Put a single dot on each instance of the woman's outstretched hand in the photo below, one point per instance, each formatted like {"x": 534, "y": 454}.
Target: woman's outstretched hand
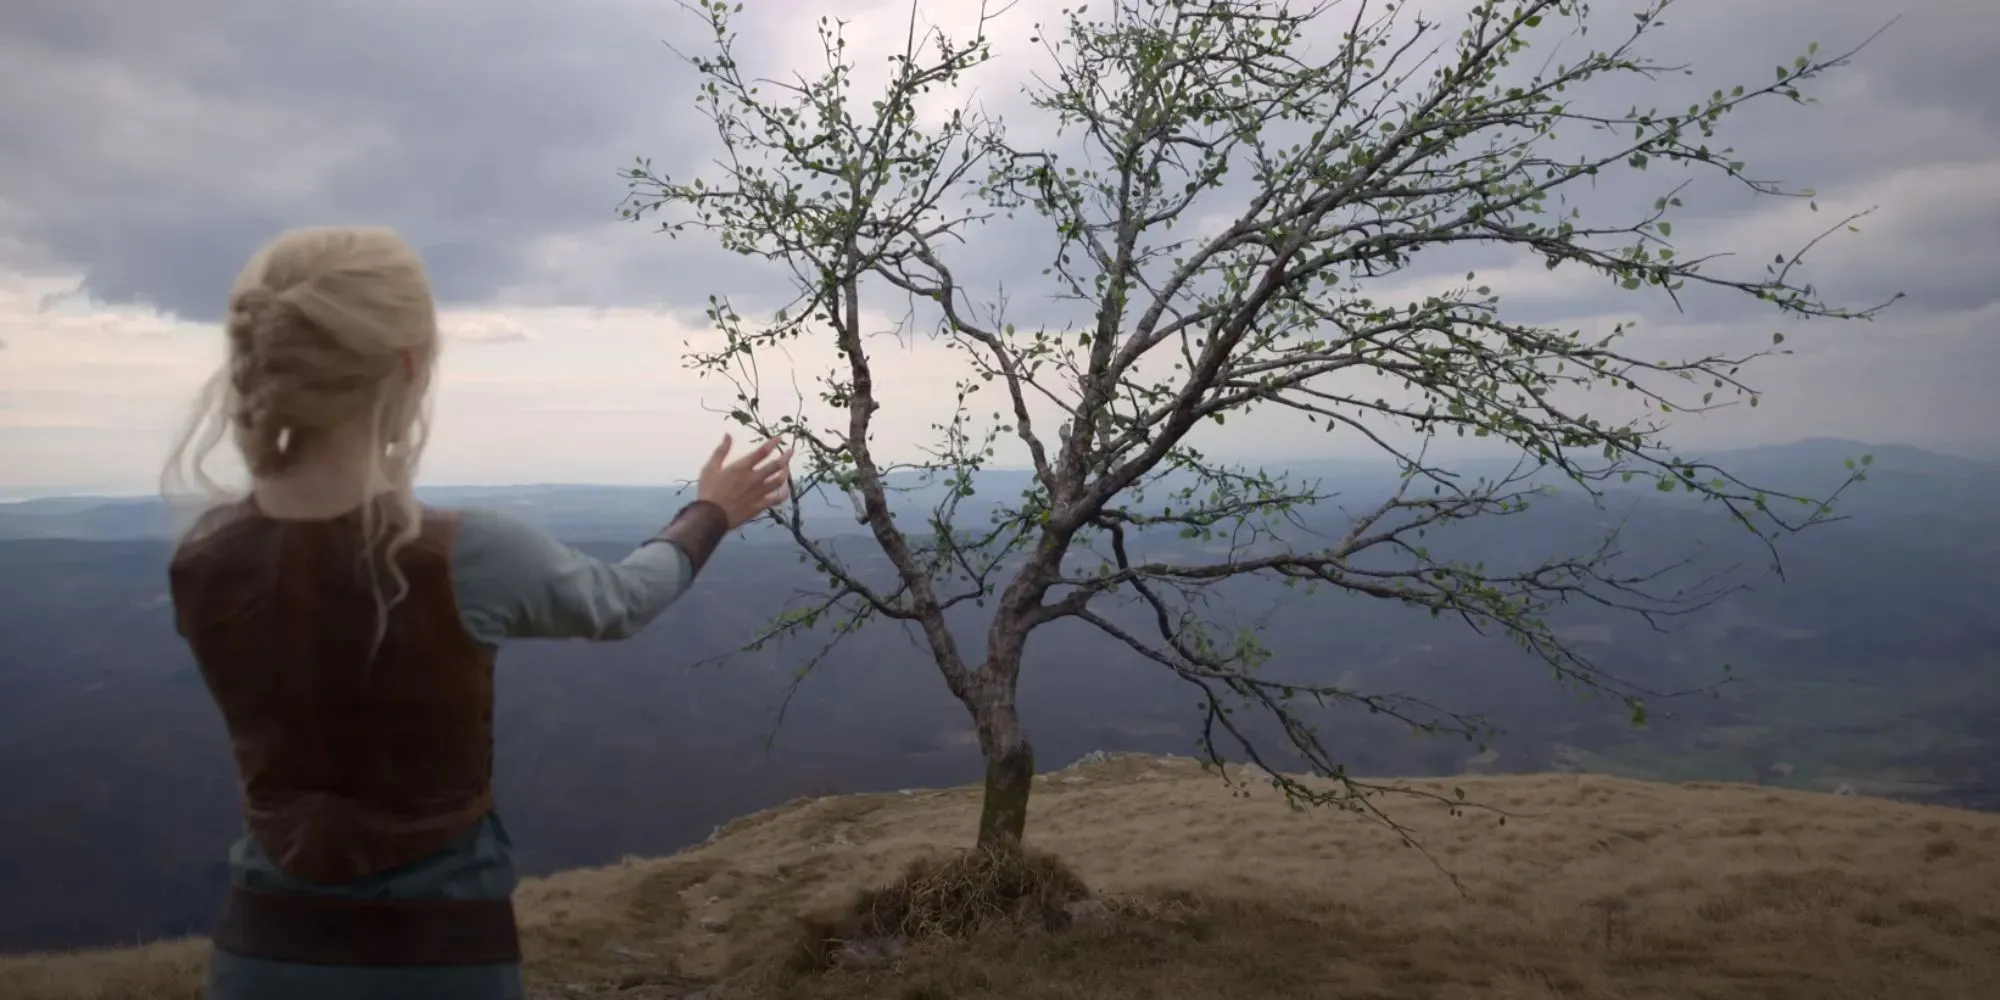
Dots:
{"x": 748, "y": 486}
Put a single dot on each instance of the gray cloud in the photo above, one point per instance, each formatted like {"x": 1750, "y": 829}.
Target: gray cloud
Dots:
{"x": 166, "y": 140}
{"x": 1893, "y": 108}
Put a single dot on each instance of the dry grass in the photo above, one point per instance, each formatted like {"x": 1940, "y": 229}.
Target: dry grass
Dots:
{"x": 1596, "y": 888}
{"x": 940, "y": 899}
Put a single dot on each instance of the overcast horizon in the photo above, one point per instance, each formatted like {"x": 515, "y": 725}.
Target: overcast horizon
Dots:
{"x": 164, "y": 143}
{"x": 53, "y": 491}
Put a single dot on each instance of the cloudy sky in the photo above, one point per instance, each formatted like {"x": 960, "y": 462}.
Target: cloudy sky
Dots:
{"x": 146, "y": 149}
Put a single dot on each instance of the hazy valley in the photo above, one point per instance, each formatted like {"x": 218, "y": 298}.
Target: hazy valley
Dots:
{"x": 1873, "y": 669}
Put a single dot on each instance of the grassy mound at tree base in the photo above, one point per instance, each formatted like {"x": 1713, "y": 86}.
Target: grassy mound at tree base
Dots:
{"x": 945, "y": 897}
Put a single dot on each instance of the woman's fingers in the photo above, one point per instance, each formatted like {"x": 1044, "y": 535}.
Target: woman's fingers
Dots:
{"x": 758, "y": 454}
{"x": 721, "y": 452}
{"x": 779, "y": 467}
{"x": 764, "y": 473}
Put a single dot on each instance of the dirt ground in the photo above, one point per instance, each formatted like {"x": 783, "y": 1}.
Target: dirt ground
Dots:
{"x": 1594, "y": 887}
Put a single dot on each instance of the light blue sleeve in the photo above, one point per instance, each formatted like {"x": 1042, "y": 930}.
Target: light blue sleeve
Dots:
{"x": 514, "y": 581}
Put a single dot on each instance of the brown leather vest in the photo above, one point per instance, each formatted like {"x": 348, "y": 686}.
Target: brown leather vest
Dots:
{"x": 351, "y": 763}
{"x": 354, "y": 759}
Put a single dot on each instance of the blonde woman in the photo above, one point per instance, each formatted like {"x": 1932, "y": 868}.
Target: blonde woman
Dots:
{"x": 347, "y": 634}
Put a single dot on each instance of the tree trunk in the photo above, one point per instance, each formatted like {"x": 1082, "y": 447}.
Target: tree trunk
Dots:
{"x": 1010, "y": 767}
{"x": 1003, "y": 817}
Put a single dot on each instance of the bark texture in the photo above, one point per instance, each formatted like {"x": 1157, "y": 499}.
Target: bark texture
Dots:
{"x": 1003, "y": 816}
{"x": 1010, "y": 763}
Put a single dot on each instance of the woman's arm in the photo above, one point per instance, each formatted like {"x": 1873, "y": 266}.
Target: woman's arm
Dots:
{"x": 514, "y": 581}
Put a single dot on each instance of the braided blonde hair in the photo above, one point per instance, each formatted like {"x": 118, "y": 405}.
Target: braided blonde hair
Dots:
{"x": 329, "y": 329}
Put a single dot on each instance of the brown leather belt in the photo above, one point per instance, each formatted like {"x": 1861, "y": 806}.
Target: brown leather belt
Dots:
{"x": 314, "y": 929}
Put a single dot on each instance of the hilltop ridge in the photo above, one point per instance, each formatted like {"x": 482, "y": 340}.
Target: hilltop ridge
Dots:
{"x": 1594, "y": 886}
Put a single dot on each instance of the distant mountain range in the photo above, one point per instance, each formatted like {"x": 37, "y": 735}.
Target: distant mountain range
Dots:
{"x": 1874, "y": 667}
{"x": 1909, "y": 480}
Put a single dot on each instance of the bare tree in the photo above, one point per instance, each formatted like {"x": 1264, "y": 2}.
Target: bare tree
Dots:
{"x": 1328, "y": 172}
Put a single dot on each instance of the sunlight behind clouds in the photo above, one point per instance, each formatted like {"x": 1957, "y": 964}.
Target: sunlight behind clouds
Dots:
{"x": 166, "y": 149}
{"x": 94, "y": 393}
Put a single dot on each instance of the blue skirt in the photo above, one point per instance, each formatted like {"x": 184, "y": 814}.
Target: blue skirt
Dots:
{"x": 234, "y": 977}
{"x": 479, "y": 865}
